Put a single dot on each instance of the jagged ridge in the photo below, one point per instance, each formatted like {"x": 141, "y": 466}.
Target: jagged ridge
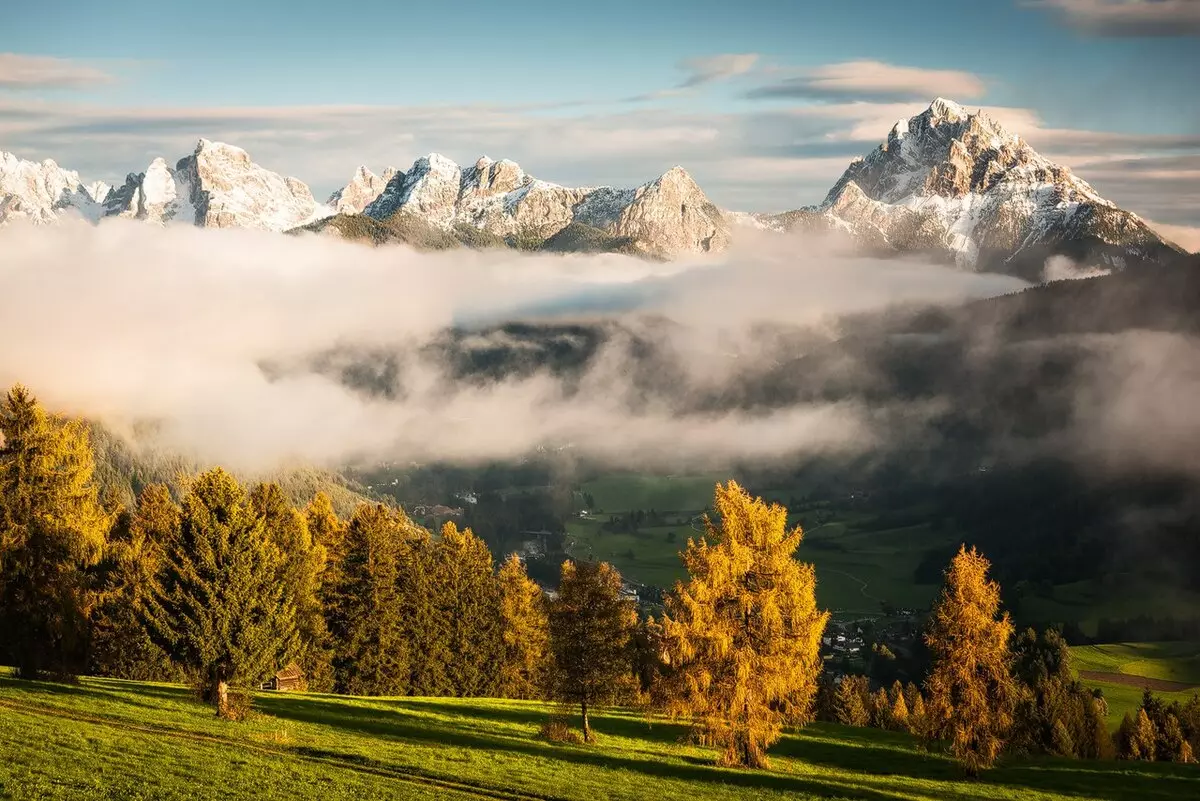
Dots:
{"x": 957, "y": 185}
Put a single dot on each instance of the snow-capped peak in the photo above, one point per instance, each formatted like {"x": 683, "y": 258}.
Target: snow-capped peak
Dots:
{"x": 364, "y": 187}
{"x": 950, "y": 180}
{"x": 40, "y": 191}
{"x": 943, "y": 110}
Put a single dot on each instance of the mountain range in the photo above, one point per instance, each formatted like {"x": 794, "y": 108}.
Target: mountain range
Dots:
{"x": 946, "y": 184}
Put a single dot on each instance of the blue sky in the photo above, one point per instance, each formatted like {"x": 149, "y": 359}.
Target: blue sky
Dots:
{"x": 762, "y": 100}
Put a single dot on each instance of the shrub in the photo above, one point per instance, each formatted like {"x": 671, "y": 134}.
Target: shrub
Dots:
{"x": 558, "y": 730}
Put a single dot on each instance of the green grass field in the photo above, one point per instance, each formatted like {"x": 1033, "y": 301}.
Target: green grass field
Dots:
{"x": 862, "y": 558}
{"x": 624, "y": 491}
{"x": 859, "y": 565}
{"x": 1123, "y": 670}
{"x": 107, "y": 739}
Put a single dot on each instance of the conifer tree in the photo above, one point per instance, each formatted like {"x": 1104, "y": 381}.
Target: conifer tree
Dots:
{"x": 881, "y": 709}
{"x": 971, "y": 692}
{"x": 851, "y": 701}
{"x": 423, "y": 600}
{"x": 743, "y": 635}
{"x": 898, "y": 715}
{"x": 524, "y": 631}
{"x": 52, "y": 530}
{"x": 1144, "y": 742}
{"x": 327, "y": 530}
{"x": 371, "y": 652}
{"x": 469, "y": 603}
{"x": 917, "y": 718}
{"x": 590, "y": 628}
{"x": 301, "y": 572}
{"x": 219, "y": 605}
{"x": 121, "y": 645}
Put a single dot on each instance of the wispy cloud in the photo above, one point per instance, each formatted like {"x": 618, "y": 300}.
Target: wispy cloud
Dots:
{"x": 28, "y": 72}
{"x": 1126, "y": 18}
{"x": 717, "y": 68}
{"x": 1186, "y": 236}
{"x": 874, "y": 81}
{"x": 703, "y": 71}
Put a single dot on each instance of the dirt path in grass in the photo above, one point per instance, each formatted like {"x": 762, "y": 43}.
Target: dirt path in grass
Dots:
{"x": 862, "y": 585}
{"x": 1141, "y": 682}
{"x": 351, "y": 762}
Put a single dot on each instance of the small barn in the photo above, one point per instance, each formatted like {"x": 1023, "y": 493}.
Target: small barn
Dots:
{"x": 291, "y": 678}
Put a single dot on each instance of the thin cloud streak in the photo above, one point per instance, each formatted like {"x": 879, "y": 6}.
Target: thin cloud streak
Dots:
{"x": 39, "y": 72}
{"x": 873, "y": 81}
{"x": 1126, "y": 18}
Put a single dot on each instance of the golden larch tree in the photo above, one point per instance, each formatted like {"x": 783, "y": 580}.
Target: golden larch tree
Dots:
{"x": 743, "y": 635}
{"x": 524, "y": 630}
{"x": 52, "y": 531}
{"x": 971, "y": 692}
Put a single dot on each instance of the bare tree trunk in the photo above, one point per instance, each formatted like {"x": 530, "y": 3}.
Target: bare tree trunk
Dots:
{"x": 222, "y": 699}
{"x": 587, "y": 729}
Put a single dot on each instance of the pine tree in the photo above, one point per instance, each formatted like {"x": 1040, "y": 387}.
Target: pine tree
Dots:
{"x": 52, "y": 530}
{"x": 301, "y": 572}
{"x": 1145, "y": 737}
{"x": 327, "y": 531}
{"x": 423, "y": 600}
{"x": 469, "y": 601}
{"x": 881, "y": 709}
{"x": 1169, "y": 745}
{"x": 219, "y": 605}
{"x": 743, "y": 635}
{"x": 525, "y": 632}
{"x": 898, "y": 715}
{"x": 850, "y": 701}
{"x": 371, "y": 651}
{"x": 121, "y": 645}
{"x": 917, "y": 718}
{"x": 971, "y": 692}
{"x": 590, "y": 628}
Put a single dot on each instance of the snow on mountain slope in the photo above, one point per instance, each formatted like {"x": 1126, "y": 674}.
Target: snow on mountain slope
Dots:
{"x": 957, "y": 184}
{"x": 670, "y": 215}
{"x": 361, "y": 191}
{"x": 40, "y": 192}
{"x": 217, "y": 186}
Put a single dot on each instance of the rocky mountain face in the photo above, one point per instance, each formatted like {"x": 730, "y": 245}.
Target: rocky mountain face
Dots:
{"x": 946, "y": 184}
{"x": 668, "y": 216}
{"x": 363, "y": 188}
{"x": 217, "y": 186}
{"x": 42, "y": 191}
{"x": 959, "y": 186}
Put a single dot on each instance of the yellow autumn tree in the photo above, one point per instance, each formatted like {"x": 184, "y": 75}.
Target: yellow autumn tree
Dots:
{"x": 52, "y": 531}
{"x": 524, "y": 631}
{"x": 971, "y": 692}
{"x": 743, "y": 635}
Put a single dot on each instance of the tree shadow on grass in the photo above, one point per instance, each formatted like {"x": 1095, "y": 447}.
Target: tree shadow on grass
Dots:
{"x": 1111, "y": 781}
{"x": 865, "y": 751}
{"x": 611, "y": 722}
{"x": 371, "y": 723}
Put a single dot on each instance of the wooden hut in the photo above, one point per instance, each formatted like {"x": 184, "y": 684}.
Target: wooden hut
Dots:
{"x": 291, "y": 678}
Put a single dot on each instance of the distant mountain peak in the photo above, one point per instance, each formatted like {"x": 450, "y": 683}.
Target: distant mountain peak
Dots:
{"x": 956, "y": 185}
{"x": 943, "y": 110}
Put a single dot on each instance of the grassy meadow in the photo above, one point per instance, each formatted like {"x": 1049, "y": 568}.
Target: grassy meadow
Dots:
{"x": 108, "y": 739}
{"x": 860, "y": 560}
{"x": 1124, "y": 670}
